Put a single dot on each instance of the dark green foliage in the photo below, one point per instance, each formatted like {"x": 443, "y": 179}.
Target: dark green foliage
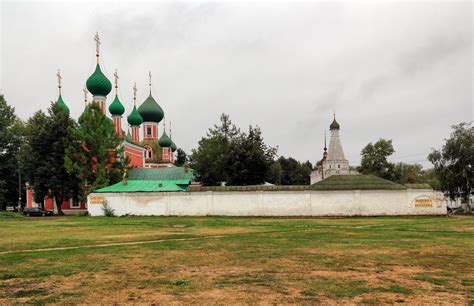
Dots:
{"x": 406, "y": 173}
{"x": 31, "y": 155}
{"x": 10, "y": 139}
{"x": 108, "y": 211}
{"x": 453, "y": 164}
{"x": 374, "y": 159}
{"x": 97, "y": 158}
{"x": 42, "y": 155}
{"x": 249, "y": 159}
{"x": 289, "y": 171}
{"x": 228, "y": 155}
{"x": 180, "y": 157}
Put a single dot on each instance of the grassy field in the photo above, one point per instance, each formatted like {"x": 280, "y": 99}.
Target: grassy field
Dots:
{"x": 236, "y": 260}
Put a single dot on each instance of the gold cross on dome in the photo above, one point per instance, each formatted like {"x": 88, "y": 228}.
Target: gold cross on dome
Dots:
{"x": 149, "y": 77}
{"x": 116, "y": 78}
{"x": 134, "y": 93}
{"x": 59, "y": 80}
{"x": 97, "y": 43}
{"x": 85, "y": 94}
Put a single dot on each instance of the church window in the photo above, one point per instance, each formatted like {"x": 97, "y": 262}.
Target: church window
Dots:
{"x": 148, "y": 131}
{"x": 339, "y": 166}
{"x": 148, "y": 153}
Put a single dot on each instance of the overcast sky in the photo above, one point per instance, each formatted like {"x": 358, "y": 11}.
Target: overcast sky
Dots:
{"x": 395, "y": 70}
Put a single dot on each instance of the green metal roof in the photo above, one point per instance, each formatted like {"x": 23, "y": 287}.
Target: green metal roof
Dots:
{"x": 62, "y": 104}
{"x": 151, "y": 111}
{"x": 147, "y": 186}
{"x": 159, "y": 174}
{"x": 173, "y": 146}
{"x": 355, "y": 182}
{"x": 116, "y": 108}
{"x": 135, "y": 119}
{"x": 165, "y": 141}
{"x": 98, "y": 84}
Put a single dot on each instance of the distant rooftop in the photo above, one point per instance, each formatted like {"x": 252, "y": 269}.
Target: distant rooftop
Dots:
{"x": 146, "y": 186}
{"x": 356, "y": 182}
{"x": 160, "y": 174}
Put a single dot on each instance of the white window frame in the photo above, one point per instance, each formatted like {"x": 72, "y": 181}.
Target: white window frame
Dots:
{"x": 74, "y": 204}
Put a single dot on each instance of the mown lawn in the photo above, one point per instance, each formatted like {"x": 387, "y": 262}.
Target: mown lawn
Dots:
{"x": 237, "y": 260}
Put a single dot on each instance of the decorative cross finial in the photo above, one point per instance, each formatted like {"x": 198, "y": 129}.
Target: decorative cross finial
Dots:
{"x": 97, "y": 44}
{"x": 85, "y": 95}
{"x": 334, "y": 114}
{"x": 116, "y": 80}
{"x": 59, "y": 80}
{"x": 149, "y": 78}
{"x": 325, "y": 148}
{"x": 170, "y": 128}
{"x": 134, "y": 93}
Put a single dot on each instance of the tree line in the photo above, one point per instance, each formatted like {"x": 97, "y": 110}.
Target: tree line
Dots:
{"x": 58, "y": 157}
{"x": 65, "y": 159}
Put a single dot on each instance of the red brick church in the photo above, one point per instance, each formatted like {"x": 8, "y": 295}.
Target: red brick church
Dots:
{"x": 141, "y": 143}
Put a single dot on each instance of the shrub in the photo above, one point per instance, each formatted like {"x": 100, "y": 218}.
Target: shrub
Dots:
{"x": 108, "y": 211}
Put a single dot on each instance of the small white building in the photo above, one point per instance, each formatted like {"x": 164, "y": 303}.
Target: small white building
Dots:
{"x": 333, "y": 161}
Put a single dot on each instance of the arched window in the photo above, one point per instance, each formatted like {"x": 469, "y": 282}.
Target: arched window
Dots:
{"x": 148, "y": 152}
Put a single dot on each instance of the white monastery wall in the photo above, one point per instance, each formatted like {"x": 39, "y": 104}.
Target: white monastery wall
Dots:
{"x": 272, "y": 203}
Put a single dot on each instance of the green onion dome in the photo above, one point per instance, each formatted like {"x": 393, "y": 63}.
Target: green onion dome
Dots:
{"x": 151, "y": 111}
{"x": 134, "y": 119}
{"x": 116, "y": 107}
{"x": 334, "y": 125}
{"x": 165, "y": 141}
{"x": 61, "y": 103}
{"x": 173, "y": 146}
{"x": 98, "y": 84}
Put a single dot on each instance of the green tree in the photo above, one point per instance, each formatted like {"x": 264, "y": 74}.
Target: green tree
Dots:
{"x": 32, "y": 155}
{"x": 408, "y": 173}
{"x": 96, "y": 158}
{"x": 292, "y": 172}
{"x": 209, "y": 160}
{"x": 228, "y": 155}
{"x": 10, "y": 140}
{"x": 180, "y": 157}
{"x": 374, "y": 159}
{"x": 249, "y": 159}
{"x": 43, "y": 155}
{"x": 453, "y": 163}
{"x": 61, "y": 136}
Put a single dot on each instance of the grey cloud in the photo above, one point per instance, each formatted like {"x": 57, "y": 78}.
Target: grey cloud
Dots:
{"x": 398, "y": 70}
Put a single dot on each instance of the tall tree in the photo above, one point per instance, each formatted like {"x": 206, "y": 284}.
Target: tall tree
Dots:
{"x": 209, "y": 160}
{"x": 408, "y": 173}
{"x": 249, "y": 159}
{"x": 180, "y": 157}
{"x": 32, "y": 155}
{"x": 292, "y": 172}
{"x": 374, "y": 159}
{"x": 47, "y": 136}
{"x": 228, "y": 155}
{"x": 96, "y": 158}
{"x": 10, "y": 139}
{"x": 62, "y": 184}
{"x": 453, "y": 164}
